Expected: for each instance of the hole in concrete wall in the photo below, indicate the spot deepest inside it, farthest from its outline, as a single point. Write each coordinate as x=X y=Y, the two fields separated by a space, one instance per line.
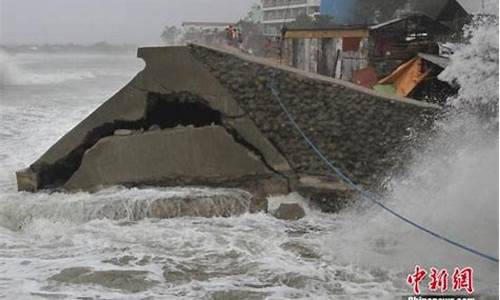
x=165 y=111
x=168 y=111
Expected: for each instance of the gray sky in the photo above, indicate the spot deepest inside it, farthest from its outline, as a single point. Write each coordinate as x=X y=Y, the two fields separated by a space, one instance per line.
x=116 y=21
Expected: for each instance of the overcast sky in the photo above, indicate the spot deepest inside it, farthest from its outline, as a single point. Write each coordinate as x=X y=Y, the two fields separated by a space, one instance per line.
x=116 y=21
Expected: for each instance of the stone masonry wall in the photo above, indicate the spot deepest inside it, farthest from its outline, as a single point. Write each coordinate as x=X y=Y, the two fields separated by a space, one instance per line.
x=362 y=131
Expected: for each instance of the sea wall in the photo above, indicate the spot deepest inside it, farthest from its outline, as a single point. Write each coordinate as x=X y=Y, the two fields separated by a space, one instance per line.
x=361 y=130
x=202 y=116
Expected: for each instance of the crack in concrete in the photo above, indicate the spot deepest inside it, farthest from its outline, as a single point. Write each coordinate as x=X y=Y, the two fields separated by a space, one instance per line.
x=180 y=107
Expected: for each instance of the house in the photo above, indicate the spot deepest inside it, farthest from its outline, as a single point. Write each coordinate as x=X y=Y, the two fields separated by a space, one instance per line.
x=330 y=51
x=340 y=50
x=400 y=39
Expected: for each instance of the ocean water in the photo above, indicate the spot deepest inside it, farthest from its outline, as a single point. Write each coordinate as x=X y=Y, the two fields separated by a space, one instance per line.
x=362 y=253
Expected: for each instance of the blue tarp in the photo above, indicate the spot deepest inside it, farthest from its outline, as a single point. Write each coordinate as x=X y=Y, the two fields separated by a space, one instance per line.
x=340 y=10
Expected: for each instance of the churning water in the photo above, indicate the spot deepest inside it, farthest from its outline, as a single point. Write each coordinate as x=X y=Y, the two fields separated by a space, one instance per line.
x=362 y=253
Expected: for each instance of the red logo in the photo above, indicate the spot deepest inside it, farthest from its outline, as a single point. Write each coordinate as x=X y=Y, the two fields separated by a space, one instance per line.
x=462 y=280
x=439 y=280
x=415 y=279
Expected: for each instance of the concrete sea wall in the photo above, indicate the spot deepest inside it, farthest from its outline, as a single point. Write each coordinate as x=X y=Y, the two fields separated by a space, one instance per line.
x=202 y=116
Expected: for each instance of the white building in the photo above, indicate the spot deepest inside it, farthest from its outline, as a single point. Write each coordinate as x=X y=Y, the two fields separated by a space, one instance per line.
x=278 y=12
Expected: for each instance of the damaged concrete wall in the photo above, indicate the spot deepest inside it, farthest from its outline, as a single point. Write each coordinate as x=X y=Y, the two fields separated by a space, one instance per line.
x=182 y=155
x=200 y=116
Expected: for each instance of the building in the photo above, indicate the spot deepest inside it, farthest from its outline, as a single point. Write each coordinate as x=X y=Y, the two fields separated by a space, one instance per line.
x=355 y=12
x=276 y=13
x=364 y=54
x=341 y=50
x=377 y=33
x=328 y=51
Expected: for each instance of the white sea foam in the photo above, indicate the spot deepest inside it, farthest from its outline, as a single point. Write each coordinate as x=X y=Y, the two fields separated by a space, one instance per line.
x=13 y=74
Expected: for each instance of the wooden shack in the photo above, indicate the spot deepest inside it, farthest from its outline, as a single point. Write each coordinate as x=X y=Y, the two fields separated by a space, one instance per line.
x=331 y=51
x=338 y=51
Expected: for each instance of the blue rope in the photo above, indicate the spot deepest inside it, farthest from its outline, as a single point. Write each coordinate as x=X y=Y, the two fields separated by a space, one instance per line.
x=369 y=195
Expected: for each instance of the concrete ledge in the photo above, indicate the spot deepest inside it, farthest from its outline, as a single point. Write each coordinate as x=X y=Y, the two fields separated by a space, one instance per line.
x=27 y=180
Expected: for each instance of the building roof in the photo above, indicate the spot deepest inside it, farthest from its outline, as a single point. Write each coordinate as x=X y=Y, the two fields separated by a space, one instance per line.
x=330 y=32
x=387 y=23
x=421 y=21
x=214 y=24
x=330 y=27
x=441 y=61
x=417 y=21
x=439 y=9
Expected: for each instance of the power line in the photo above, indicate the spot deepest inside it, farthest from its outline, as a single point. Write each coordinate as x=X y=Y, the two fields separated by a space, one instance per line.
x=366 y=194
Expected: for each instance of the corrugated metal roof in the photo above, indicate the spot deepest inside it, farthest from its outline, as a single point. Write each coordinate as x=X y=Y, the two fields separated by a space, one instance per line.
x=422 y=20
x=378 y=26
x=441 y=61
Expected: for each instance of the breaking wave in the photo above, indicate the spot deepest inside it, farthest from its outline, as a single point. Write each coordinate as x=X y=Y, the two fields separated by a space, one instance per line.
x=119 y=204
x=11 y=73
x=451 y=184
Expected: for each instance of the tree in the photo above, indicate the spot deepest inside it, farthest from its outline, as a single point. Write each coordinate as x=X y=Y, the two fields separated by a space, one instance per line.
x=305 y=21
x=302 y=21
x=170 y=34
x=254 y=15
x=251 y=30
x=377 y=11
x=322 y=21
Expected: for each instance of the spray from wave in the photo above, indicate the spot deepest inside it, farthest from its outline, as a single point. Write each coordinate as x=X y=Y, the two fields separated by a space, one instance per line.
x=12 y=74
x=451 y=185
